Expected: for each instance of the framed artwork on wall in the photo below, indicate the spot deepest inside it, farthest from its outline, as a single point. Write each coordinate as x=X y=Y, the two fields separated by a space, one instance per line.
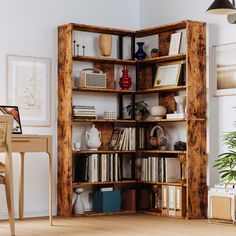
x=29 y=86
x=13 y=111
x=224 y=81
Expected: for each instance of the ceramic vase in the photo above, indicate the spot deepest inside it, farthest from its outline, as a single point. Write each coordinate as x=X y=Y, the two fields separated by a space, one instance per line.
x=78 y=206
x=105 y=44
x=140 y=54
x=125 y=80
x=158 y=112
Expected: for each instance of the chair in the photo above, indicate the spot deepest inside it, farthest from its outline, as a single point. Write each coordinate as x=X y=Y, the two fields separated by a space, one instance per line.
x=6 y=122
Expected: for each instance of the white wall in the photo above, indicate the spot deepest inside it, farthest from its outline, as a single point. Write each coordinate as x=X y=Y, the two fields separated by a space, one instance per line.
x=29 y=28
x=220 y=113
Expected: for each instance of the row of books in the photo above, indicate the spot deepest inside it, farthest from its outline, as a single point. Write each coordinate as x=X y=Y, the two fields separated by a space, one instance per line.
x=84 y=112
x=123 y=139
x=160 y=169
x=97 y=168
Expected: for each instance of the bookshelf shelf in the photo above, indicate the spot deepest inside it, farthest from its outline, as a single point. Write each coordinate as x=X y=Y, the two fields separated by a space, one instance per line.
x=161 y=151
x=92 y=213
x=162 y=89
x=160 y=120
x=100 y=90
x=161 y=183
x=163 y=59
x=102 y=152
x=75 y=185
x=104 y=60
x=102 y=121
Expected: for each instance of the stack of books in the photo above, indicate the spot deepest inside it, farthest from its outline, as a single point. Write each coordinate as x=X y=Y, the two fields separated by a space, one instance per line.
x=84 y=112
x=123 y=139
x=158 y=169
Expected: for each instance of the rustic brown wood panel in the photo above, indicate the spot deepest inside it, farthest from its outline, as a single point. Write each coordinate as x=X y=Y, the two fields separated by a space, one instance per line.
x=196 y=169
x=164 y=43
x=146 y=80
x=196 y=70
x=108 y=69
x=167 y=100
x=106 y=132
x=64 y=165
x=196 y=128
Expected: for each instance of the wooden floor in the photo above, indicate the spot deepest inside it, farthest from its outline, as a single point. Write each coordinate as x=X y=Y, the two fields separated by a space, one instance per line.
x=132 y=225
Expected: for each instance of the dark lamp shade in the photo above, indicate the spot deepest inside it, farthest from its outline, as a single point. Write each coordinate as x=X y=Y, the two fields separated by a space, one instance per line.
x=221 y=7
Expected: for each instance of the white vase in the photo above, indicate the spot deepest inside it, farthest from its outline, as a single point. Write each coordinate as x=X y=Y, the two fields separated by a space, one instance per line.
x=158 y=112
x=78 y=206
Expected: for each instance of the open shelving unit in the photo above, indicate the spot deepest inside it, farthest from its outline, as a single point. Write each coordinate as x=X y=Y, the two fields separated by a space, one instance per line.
x=195 y=88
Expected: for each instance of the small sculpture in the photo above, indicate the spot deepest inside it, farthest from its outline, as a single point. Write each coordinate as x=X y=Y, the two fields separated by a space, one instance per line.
x=93 y=138
x=180 y=100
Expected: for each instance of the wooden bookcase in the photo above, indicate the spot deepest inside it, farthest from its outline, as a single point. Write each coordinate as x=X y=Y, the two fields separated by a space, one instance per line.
x=195 y=87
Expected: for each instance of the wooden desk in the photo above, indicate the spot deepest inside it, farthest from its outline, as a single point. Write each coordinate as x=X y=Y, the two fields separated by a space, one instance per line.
x=33 y=143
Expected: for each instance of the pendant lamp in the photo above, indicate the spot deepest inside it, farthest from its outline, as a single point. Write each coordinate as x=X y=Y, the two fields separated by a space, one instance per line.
x=222 y=7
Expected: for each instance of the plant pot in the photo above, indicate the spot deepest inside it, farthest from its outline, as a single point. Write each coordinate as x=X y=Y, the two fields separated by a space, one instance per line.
x=138 y=116
x=154 y=54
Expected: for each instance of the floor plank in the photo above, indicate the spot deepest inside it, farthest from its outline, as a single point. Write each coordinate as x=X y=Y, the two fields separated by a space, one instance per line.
x=138 y=225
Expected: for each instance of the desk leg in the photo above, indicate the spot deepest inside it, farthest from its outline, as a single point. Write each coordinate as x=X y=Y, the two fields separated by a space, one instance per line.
x=21 y=187
x=50 y=187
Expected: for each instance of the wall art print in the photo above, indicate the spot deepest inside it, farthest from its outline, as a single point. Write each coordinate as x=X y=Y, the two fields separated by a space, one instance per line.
x=29 y=86
x=224 y=81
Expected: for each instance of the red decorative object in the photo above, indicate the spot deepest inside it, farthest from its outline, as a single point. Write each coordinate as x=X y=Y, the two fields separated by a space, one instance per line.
x=125 y=80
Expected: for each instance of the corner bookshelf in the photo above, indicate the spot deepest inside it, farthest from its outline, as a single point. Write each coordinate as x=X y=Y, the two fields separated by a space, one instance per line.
x=195 y=87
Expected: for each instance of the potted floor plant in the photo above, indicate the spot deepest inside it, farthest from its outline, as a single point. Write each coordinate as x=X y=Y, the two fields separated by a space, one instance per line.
x=226 y=162
x=140 y=109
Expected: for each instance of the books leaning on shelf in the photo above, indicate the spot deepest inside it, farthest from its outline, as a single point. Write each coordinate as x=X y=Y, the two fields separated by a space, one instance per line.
x=123 y=139
x=97 y=168
x=159 y=169
x=84 y=112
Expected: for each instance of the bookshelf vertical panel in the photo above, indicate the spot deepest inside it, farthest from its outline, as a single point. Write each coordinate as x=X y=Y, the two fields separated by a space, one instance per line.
x=196 y=69
x=196 y=168
x=64 y=170
x=196 y=129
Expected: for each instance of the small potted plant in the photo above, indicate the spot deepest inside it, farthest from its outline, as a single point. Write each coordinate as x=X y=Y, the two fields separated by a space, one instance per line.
x=226 y=162
x=140 y=110
x=154 y=52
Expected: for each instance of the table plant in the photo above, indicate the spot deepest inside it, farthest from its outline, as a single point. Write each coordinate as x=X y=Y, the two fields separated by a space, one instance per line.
x=140 y=109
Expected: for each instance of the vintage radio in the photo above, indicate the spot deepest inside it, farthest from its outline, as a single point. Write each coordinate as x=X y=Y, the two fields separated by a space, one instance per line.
x=92 y=78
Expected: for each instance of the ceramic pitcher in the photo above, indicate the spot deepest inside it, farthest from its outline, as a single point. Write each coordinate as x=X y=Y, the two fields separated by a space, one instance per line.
x=93 y=138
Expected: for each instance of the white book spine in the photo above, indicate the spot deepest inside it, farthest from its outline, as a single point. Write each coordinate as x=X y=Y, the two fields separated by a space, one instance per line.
x=116 y=166
x=153 y=164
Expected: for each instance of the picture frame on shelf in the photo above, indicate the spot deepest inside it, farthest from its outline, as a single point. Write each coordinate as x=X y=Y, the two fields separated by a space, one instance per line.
x=29 y=88
x=224 y=64
x=168 y=74
x=13 y=111
x=175 y=43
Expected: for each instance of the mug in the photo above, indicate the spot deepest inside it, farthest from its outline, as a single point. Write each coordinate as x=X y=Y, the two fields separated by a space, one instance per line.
x=77 y=146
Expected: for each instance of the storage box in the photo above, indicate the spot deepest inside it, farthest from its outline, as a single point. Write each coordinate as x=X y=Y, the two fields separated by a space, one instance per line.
x=222 y=205
x=106 y=201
